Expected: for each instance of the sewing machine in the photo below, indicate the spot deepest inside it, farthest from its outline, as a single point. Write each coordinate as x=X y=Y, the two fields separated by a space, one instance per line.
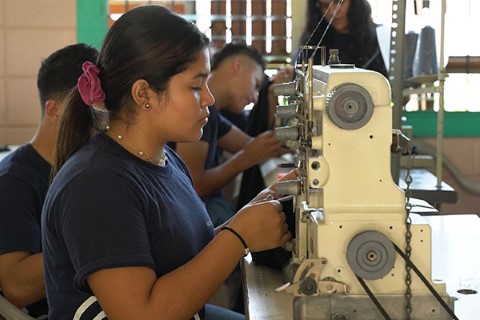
x=357 y=254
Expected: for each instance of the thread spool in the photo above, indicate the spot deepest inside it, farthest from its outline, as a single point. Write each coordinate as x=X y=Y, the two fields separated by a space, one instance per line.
x=425 y=61
x=410 y=47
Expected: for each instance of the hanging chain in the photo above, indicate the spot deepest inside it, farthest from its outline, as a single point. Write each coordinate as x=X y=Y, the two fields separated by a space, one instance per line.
x=408 y=237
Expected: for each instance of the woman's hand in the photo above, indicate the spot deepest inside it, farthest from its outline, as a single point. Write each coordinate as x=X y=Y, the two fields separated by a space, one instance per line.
x=262 y=225
x=262 y=222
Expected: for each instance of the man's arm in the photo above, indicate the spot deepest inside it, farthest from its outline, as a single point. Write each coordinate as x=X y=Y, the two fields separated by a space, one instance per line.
x=22 y=278
x=21 y=270
x=206 y=181
x=250 y=152
x=234 y=140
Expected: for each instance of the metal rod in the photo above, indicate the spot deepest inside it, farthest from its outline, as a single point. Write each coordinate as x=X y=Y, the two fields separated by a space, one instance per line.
x=440 y=114
x=397 y=36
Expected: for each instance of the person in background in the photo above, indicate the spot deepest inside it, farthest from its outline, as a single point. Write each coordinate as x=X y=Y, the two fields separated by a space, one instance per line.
x=125 y=236
x=259 y=120
x=24 y=180
x=236 y=77
x=265 y=101
x=235 y=112
x=352 y=32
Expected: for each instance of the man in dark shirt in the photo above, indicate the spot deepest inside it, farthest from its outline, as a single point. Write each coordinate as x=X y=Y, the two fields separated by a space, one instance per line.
x=235 y=79
x=24 y=180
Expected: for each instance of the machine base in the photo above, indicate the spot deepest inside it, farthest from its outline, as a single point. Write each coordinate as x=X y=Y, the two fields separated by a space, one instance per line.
x=356 y=307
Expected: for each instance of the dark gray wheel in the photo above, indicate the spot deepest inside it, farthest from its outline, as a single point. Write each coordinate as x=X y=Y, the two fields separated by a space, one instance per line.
x=371 y=255
x=349 y=106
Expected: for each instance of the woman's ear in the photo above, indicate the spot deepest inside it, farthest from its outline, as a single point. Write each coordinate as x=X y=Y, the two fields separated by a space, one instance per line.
x=140 y=92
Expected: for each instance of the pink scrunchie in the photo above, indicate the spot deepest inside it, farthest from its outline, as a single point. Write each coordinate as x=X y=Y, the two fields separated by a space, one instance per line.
x=89 y=85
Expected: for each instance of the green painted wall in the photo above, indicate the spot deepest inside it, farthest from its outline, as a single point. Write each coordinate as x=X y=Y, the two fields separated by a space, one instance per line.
x=455 y=124
x=92 y=21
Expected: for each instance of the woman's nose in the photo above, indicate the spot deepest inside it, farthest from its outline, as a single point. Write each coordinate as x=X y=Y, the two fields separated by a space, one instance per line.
x=208 y=98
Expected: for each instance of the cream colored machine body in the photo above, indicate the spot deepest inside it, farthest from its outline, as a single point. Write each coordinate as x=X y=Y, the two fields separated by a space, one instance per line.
x=349 y=212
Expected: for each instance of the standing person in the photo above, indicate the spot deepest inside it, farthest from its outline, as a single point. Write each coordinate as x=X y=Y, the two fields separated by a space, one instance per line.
x=236 y=77
x=352 y=32
x=125 y=236
x=24 y=180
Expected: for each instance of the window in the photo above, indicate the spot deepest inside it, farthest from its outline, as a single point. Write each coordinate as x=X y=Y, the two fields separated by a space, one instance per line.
x=462 y=19
x=265 y=24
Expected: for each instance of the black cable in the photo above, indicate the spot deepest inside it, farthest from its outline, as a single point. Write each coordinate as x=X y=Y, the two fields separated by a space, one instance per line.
x=373 y=298
x=426 y=282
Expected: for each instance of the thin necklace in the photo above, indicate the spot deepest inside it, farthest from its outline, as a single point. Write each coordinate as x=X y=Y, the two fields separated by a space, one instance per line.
x=159 y=162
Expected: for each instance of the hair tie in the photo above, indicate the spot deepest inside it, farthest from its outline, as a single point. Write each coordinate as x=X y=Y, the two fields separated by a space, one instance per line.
x=89 y=85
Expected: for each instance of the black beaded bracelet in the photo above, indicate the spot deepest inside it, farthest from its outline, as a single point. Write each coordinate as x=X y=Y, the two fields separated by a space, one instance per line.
x=247 y=250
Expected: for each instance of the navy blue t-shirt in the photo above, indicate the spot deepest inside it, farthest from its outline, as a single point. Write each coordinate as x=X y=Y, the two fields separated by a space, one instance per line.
x=107 y=208
x=24 y=180
x=216 y=127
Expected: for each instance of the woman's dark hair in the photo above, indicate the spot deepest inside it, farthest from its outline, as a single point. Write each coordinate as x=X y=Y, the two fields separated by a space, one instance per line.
x=148 y=42
x=362 y=33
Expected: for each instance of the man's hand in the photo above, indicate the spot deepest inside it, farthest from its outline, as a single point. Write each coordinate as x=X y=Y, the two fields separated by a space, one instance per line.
x=263 y=147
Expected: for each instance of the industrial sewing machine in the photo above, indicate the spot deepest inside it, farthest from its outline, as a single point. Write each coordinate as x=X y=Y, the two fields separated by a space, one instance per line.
x=358 y=253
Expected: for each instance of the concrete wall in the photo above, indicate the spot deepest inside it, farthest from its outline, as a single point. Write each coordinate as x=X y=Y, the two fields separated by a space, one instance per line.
x=29 y=31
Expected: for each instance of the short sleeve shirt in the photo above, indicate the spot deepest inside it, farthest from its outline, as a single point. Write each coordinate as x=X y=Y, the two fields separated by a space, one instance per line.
x=107 y=208
x=24 y=180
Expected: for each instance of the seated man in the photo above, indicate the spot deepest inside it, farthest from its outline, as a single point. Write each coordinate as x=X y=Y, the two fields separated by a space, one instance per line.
x=235 y=79
x=24 y=180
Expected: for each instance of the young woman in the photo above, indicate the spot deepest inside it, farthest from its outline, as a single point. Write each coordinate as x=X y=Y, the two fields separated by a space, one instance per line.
x=124 y=234
x=352 y=31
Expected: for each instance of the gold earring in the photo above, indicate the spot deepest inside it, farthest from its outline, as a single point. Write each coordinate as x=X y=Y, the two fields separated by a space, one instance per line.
x=147 y=106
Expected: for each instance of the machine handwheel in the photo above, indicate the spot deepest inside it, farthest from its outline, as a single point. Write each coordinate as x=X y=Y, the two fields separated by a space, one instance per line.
x=371 y=255
x=349 y=106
